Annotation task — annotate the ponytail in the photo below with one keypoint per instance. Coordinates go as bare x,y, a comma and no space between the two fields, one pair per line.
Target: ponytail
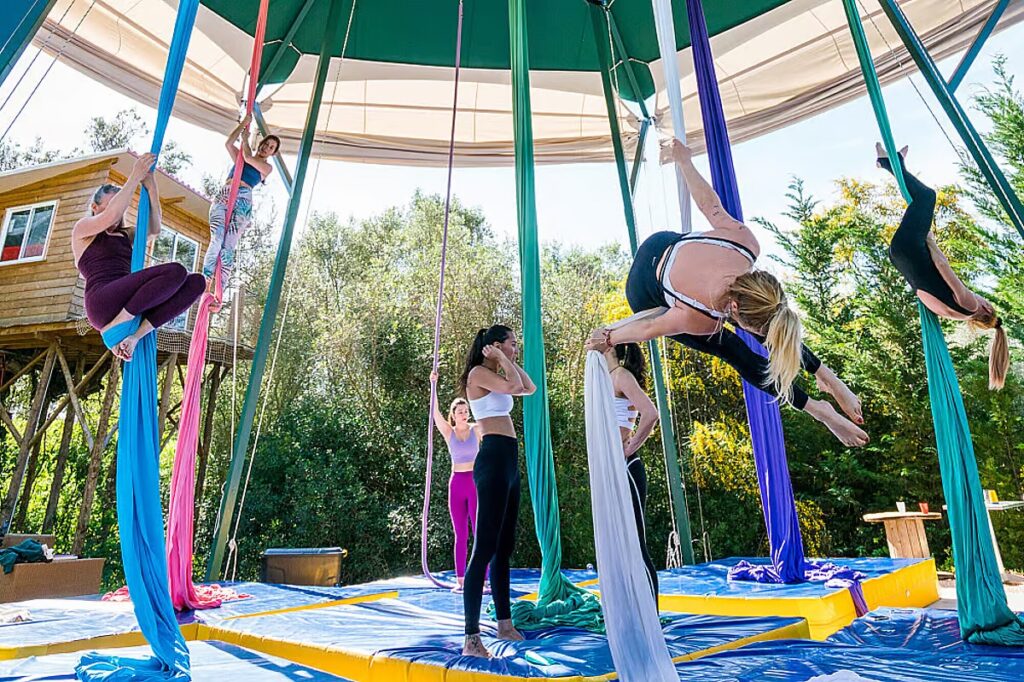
762,306
784,341
484,337
998,358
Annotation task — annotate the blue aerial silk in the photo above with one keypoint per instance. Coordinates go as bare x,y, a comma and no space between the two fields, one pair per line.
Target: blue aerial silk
985,617
139,513
785,542
769,445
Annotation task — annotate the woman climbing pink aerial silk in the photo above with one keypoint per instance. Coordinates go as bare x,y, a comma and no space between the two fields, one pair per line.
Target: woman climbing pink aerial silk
180,514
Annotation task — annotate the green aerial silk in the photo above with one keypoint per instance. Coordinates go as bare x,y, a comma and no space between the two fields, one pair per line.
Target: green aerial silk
984,615
559,601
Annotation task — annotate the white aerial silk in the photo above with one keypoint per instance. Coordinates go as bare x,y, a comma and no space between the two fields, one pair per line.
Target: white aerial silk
630,614
665,26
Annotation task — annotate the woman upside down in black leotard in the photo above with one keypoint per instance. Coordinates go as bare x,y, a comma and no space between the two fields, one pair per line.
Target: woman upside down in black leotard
918,258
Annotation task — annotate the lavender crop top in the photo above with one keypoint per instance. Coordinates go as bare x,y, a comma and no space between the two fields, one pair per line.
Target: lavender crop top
463,451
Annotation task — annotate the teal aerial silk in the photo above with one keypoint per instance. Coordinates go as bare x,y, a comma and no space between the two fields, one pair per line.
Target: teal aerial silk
984,615
139,513
559,602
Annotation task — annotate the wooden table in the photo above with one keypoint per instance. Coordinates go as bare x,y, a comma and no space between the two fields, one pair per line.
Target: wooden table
904,532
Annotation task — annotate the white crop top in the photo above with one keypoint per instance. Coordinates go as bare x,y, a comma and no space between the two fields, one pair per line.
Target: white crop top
625,413
491,405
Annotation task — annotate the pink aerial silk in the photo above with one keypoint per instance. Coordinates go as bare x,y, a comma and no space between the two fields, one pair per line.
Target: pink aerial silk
180,520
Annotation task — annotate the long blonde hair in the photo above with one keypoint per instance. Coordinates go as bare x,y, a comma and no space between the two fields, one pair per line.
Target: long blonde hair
998,350
762,306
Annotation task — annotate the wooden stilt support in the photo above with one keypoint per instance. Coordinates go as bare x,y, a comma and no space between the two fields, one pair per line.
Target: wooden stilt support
61,463
25,444
96,458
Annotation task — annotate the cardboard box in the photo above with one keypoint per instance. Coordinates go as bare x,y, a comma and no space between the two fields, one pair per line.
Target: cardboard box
59,578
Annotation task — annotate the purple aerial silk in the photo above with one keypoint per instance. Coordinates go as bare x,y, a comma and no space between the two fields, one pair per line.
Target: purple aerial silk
780,517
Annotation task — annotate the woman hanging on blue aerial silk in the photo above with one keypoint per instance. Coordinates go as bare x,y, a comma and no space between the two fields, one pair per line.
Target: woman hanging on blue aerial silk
708,278
918,258
123,305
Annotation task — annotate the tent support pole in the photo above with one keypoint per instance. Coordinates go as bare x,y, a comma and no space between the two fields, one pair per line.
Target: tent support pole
975,49
972,140
261,124
677,490
21,34
331,40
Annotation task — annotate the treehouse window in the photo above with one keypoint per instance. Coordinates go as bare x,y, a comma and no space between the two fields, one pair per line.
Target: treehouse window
172,247
26,232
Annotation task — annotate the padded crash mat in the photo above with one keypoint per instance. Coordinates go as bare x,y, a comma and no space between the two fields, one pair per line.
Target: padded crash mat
798,661
918,629
705,588
211,662
392,640
61,625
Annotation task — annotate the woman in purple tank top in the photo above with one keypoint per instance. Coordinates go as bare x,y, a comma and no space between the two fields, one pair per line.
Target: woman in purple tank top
463,439
124,305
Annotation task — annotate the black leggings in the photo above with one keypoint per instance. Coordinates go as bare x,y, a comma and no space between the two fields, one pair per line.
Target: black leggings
638,492
752,366
496,474
643,291
908,250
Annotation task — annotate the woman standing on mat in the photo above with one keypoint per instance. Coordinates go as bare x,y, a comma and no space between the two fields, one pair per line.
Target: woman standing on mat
629,380
706,278
463,441
918,258
489,381
124,305
224,238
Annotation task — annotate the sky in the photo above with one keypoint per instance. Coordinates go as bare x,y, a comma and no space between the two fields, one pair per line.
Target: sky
577,204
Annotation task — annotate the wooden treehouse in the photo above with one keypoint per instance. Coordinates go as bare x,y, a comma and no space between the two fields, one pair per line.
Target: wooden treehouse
48,348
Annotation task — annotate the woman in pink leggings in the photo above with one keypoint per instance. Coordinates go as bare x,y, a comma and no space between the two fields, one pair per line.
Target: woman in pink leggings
124,305
463,443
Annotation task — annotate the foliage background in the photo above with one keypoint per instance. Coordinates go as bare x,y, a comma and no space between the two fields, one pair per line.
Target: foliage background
340,458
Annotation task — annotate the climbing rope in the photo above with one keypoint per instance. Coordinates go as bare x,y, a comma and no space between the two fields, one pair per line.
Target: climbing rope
424,520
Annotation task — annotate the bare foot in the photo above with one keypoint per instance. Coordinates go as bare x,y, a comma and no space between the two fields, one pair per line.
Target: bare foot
475,647
851,435
830,383
508,632
881,152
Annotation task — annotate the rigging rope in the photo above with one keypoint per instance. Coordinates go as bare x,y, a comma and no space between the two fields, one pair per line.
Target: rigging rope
42,47
46,73
425,519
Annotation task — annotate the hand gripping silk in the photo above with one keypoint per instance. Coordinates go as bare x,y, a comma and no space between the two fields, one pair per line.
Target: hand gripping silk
631,619
139,514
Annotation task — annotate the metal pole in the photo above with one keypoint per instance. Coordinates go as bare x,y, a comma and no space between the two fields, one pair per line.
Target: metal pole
261,123
668,437
972,140
975,49
227,506
641,144
19,26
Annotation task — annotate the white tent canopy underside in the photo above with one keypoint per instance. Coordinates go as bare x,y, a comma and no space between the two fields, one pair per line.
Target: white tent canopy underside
788,64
